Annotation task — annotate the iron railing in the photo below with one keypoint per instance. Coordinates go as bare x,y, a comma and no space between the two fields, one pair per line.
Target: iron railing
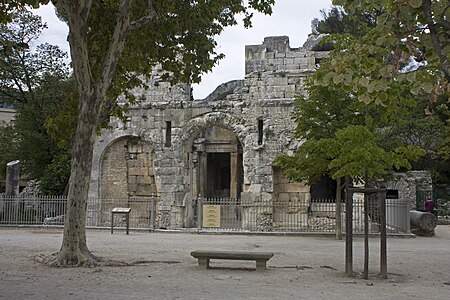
51,211
318,215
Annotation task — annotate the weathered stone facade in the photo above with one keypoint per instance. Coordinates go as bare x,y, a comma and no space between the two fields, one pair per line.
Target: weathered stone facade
177,148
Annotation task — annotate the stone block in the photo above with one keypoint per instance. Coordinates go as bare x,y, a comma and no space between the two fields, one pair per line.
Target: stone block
270,55
134,147
151,171
294,80
302,62
143,190
132,179
277,81
132,187
289,61
276,61
145,179
137,171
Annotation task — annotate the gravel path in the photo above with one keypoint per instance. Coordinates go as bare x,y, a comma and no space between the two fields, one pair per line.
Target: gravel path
302,268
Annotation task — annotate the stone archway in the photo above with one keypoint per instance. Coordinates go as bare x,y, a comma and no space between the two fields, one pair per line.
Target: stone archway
217,163
126,178
214,155
127,169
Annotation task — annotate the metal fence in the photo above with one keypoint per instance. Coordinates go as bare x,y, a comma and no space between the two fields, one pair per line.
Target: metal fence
318,215
212,214
51,211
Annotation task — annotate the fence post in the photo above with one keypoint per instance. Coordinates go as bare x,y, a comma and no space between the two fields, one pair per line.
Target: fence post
152,212
383,246
348,232
199,212
408,215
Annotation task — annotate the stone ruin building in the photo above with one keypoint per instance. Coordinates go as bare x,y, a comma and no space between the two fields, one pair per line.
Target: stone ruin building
176,149
221,146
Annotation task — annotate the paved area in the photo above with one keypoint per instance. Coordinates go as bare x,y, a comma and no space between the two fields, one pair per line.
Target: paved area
302,268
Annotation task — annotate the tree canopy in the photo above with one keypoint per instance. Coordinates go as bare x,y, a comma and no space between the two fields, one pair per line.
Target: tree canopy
364,99
408,45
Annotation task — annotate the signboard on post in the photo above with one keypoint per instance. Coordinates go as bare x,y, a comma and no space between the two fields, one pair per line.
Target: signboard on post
211,216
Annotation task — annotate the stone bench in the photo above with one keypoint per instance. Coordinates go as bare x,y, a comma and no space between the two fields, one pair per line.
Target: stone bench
205,255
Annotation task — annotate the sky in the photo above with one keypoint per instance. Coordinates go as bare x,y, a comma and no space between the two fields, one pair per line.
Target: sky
290,17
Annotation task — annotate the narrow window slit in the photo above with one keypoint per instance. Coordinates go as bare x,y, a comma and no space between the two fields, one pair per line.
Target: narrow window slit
168,134
260,131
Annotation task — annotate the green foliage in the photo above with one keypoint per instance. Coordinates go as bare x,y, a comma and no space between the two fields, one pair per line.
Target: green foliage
36,84
348,152
360,151
8,140
393,51
407,47
56,175
366,102
60,124
23,70
337,21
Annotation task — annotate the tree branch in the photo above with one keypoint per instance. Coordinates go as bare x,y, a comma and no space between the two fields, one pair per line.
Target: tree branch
115,49
435,38
78,14
146,19
443,22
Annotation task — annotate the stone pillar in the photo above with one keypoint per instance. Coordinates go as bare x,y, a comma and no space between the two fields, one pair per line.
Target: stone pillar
12,178
203,171
234,177
12,190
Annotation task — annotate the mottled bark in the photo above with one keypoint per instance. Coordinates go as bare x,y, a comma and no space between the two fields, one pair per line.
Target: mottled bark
92,92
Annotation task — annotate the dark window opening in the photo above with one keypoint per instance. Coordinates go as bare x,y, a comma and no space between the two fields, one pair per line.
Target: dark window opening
168,134
392,194
260,131
323,190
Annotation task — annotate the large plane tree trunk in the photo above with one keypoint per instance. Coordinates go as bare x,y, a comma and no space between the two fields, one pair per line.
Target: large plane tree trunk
92,92
74,250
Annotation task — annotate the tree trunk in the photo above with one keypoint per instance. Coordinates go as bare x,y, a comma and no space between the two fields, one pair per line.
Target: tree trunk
92,92
74,250
422,223
338,208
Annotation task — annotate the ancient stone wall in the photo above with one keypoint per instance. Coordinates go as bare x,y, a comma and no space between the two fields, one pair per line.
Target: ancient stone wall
256,111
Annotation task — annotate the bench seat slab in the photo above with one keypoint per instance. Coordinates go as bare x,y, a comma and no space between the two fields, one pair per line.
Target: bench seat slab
204,257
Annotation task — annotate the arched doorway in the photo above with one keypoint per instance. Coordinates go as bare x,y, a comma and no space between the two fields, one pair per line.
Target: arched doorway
127,179
127,169
217,163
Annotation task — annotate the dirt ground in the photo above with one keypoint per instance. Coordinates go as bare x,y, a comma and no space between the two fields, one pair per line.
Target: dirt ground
302,267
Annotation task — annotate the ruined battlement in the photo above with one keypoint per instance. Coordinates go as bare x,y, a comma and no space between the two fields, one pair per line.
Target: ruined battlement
275,54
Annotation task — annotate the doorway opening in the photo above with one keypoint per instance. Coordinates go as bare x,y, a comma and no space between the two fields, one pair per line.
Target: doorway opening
219,175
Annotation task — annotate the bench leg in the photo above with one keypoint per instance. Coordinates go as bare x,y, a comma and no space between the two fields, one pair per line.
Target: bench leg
203,262
112,222
260,264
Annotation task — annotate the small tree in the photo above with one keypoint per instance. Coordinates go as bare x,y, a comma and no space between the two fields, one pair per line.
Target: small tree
35,83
